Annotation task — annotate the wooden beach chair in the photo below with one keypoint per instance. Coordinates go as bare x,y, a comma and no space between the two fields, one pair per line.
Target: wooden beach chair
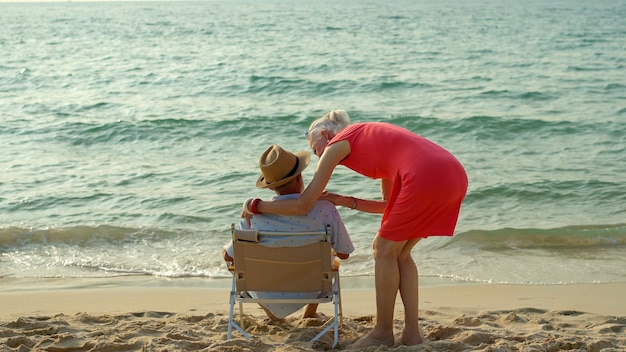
307,268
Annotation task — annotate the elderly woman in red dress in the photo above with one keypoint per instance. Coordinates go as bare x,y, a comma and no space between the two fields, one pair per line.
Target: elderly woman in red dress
423,186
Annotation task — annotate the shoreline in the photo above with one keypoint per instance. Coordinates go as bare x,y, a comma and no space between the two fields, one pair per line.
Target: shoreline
148,281
9,285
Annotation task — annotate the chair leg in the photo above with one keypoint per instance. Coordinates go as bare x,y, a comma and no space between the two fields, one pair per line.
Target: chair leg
335,325
335,321
231,318
339,297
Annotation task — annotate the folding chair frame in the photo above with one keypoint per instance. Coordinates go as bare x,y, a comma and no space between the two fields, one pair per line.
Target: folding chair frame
329,284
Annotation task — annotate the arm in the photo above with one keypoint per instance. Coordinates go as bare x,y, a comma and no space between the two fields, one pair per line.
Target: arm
342,256
332,156
364,205
227,256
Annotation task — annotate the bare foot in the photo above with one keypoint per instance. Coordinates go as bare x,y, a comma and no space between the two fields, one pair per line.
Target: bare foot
411,338
371,340
279,320
317,315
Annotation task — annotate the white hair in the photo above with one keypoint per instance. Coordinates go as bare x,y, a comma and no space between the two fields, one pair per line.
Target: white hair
333,122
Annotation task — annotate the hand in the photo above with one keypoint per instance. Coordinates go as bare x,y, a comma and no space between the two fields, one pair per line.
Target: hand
247,218
329,196
246,214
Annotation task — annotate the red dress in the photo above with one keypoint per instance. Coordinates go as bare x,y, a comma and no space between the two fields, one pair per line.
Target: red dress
429,183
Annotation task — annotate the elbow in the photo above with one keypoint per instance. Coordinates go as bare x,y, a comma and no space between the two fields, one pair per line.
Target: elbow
301,212
302,208
343,256
227,258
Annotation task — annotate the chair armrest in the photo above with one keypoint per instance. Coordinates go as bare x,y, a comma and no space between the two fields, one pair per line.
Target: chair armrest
246,235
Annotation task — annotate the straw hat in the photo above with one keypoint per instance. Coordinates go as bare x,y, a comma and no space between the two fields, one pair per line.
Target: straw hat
279,166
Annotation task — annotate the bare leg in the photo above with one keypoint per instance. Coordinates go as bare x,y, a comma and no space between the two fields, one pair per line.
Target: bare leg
409,292
311,311
387,281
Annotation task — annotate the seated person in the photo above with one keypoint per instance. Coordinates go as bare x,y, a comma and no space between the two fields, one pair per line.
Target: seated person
281,172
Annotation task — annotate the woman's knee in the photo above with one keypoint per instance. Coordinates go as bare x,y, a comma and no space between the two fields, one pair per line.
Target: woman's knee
406,259
405,254
384,248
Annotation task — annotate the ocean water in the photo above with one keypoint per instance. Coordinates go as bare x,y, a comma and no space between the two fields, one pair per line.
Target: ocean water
130,131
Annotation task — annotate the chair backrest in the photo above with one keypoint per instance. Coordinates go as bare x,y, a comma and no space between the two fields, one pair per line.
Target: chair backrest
282,269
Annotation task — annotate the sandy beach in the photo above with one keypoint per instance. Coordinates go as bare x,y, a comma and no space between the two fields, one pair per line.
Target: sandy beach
465,317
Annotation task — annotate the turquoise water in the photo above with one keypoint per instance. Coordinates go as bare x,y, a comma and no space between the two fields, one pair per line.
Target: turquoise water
131,131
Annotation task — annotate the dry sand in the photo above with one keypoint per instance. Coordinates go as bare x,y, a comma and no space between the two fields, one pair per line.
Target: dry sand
464,317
